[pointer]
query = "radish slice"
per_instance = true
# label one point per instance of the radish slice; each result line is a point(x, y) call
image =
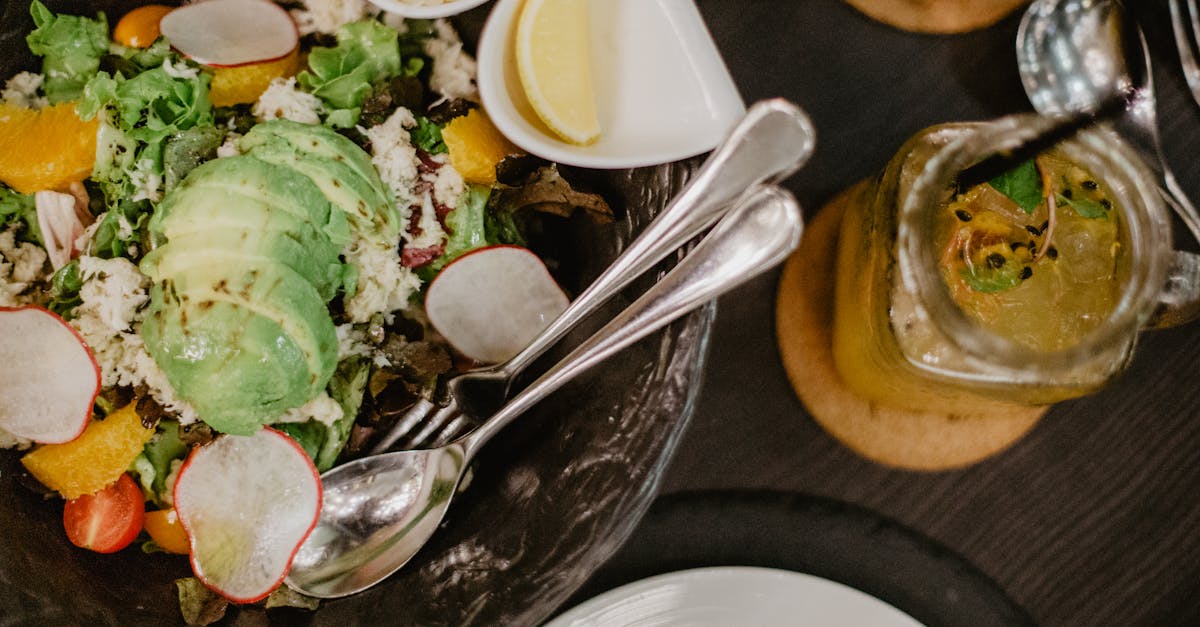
point(49, 378)
point(247, 503)
point(225, 33)
point(490, 303)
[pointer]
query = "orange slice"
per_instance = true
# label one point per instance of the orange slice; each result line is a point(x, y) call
point(476, 147)
point(95, 459)
point(243, 84)
point(45, 149)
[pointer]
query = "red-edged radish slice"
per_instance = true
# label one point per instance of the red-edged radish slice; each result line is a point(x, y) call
point(247, 503)
point(225, 33)
point(490, 303)
point(49, 378)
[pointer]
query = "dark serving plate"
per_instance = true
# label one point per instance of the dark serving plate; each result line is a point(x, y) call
point(552, 498)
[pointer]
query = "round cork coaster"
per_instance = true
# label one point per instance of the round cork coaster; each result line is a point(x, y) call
point(937, 16)
point(904, 439)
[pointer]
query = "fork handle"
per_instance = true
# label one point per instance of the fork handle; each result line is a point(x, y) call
point(771, 142)
point(756, 235)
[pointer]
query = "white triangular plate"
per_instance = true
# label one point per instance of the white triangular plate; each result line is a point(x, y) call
point(663, 92)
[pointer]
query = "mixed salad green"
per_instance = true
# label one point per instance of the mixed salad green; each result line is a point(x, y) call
point(261, 263)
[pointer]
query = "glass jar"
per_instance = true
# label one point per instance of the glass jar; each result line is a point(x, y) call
point(900, 336)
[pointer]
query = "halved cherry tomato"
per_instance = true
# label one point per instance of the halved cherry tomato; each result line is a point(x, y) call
point(108, 520)
point(139, 27)
point(166, 531)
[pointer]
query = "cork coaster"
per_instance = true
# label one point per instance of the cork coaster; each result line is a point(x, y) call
point(905, 439)
point(937, 16)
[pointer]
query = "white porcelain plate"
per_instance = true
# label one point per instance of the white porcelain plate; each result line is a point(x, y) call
point(662, 90)
point(734, 595)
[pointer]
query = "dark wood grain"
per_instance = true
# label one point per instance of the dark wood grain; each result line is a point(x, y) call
point(1091, 519)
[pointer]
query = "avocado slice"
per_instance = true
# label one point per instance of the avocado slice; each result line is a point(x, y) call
point(238, 369)
point(328, 157)
point(274, 291)
point(244, 246)
point(280, 188)
point(216, 209)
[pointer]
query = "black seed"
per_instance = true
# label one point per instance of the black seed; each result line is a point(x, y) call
point(1043, 226)
point(1033, 230)
point(995, 260)
point(1015, 246)
point(963, 215)
point(1067, 193)
point(1026, 272)
point(1090, 185)
point(1052, 252)
point(1106, 203)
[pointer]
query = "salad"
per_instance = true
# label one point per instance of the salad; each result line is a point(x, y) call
point(216, 240)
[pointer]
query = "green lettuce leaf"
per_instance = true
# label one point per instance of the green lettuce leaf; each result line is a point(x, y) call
point(323, 443)
point(20, 209)
point(70, 47)
point(64, 290)
point(139, 116)
point(342, 76)
point(427, 136)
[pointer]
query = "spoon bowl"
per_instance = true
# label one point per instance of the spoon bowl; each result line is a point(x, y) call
point(380, 510)
point(1073, 55)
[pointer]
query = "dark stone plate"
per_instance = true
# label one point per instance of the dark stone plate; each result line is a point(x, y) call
point(552, 498)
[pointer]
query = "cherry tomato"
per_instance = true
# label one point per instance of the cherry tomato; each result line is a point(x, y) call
point(108, 520)
point(166, 531)
point(139, 27)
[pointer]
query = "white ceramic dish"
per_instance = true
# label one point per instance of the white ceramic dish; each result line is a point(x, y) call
point(663, 92)
point(426, 12)
point(734, 595)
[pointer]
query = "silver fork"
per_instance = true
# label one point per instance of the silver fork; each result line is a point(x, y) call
point(771, 142)
point(1186, 24)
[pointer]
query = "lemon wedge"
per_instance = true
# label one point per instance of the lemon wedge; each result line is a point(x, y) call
point(554, 62)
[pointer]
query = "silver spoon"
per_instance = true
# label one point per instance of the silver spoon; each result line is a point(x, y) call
point(380, 510)
point(1074, 54)
point(773, 140)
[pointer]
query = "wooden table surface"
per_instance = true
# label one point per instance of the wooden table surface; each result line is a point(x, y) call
point(1094, 517)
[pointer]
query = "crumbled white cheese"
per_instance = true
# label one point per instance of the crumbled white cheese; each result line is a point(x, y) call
point(431, 231)
point(21, 264)
point(114, 289)
point(352, 342)
point(384, 285)
point(327, 16)
point(322, 408)
point(230, 147)
point(394, 156)
point(147, 184)
point(453, 74)
point(448, 184)
point(109, 318)
point(283, 100)
point(179, 69)
point(23, 90)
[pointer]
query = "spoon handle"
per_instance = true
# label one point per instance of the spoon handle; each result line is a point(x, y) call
point(770, 143)
point(761, 230)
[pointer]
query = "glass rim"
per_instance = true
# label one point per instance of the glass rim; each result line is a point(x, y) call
point(1144, 216)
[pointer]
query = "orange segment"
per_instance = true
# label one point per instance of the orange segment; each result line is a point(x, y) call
point(164, 528)
point(95, 459)
point(45, 149)
point(139, 27)
point(476, 146)
point(243, 84)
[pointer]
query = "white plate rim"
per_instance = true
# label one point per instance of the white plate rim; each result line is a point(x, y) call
point(638, 596)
